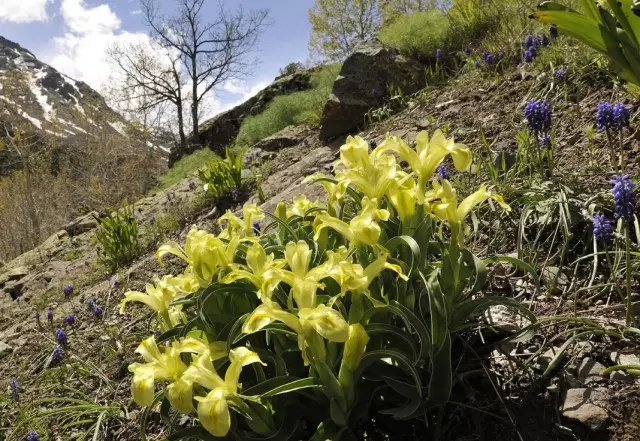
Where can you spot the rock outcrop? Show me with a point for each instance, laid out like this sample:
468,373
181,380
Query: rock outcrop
363,84
221,130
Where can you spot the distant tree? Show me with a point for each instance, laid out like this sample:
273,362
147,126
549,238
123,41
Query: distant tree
393,8
291,68
337,26
208,53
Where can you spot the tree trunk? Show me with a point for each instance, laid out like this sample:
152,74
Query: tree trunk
183,137
194,99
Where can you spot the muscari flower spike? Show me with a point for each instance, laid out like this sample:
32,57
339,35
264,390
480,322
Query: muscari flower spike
545,141
538,114
544,40
442,171
621,116
192,185
529,41
50,315
70,320
32,436
560,74
624,196
529,55
116,282
15,390
500,55
98,311
553,31
602,228
57,356
468,51
68,290
604,116
489,59
438,53
152,220
61,336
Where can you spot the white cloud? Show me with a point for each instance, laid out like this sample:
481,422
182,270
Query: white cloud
83,20
23,11
81,52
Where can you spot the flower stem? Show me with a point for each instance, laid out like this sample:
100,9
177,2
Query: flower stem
628,272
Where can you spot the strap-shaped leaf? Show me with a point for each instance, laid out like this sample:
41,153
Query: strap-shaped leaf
397,242
464,311
372,357
441,379
397,337
518,263
292,386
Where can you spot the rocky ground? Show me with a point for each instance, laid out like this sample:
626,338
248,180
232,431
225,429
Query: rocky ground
528,394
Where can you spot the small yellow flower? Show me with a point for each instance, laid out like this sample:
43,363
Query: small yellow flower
363,229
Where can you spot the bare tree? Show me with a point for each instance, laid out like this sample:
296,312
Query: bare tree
210,52
151,80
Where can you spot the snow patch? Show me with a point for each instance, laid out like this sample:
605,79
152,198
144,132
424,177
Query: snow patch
36,122
36,90
118,127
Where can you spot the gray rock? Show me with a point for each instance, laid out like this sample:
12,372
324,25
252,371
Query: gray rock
586,406
363,85
504,160
287,137
589,371
504,319
550,273
81,224
5,349
621,377
632,358
16,273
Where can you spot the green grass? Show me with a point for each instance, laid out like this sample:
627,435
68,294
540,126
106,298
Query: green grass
297,108
419,34
184,168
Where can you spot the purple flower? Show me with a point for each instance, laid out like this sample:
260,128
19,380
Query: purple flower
545,141
602,228
61,336
560,74
538,114
553,31
442,171
50,315
116,282
373,144
500,55
529,55
477,64
438,53
98,311
621,116
152,220
91,303
192,185
57,356
468,51
15,390
488,58
529,41
70,320
604,116
68,290
32,436
624,196
544,40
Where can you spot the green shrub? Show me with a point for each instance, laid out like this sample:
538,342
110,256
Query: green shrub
117,237
418,34
184,168
297,108
221,176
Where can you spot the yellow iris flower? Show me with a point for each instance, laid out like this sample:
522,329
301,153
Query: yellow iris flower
163,365
260,270
213,409
311,325
244,227
205,253
363,229
429,153
159,296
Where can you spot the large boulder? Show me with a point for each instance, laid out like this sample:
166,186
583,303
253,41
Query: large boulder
363,84
221,130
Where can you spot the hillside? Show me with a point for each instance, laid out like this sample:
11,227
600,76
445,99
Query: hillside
498,301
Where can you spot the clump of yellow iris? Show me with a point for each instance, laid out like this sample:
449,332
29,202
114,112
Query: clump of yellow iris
388,192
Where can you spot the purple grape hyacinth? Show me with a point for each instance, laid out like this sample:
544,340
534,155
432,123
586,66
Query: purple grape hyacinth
545,141
70,320
438,53
61,336
621,116
602,228
489,58
553,31
57,356
468,51
15,390
560,74
538,114
529,55
98,311
500,55
50,315
529,41
68,290
32,436
477,64
604,116
442,171
624,196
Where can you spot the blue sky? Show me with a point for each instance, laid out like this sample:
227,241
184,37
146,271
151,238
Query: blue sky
72,36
